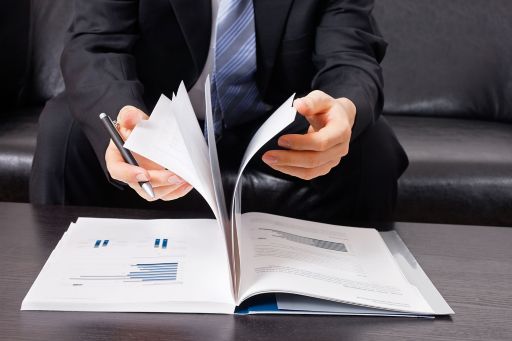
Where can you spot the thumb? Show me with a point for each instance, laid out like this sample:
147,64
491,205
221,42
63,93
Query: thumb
129,116
313,107
316,102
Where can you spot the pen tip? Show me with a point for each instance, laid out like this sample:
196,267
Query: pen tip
148,189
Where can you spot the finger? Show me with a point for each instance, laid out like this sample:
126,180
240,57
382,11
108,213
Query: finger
165,191
306,173
178,193
122,171
162,178
316,102
321,140
305,159
128,118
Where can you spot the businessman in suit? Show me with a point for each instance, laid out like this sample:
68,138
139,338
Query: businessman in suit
340,157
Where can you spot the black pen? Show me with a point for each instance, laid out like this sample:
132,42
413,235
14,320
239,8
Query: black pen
127,156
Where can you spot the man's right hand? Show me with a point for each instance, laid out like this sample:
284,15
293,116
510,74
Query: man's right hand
166,185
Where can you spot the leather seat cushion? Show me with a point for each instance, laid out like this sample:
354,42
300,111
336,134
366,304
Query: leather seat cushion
18,133
460,170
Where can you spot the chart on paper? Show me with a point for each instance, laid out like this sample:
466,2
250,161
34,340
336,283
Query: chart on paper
134,265
142,273
101,261
319,243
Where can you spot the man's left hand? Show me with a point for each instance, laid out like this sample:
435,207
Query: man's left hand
324,145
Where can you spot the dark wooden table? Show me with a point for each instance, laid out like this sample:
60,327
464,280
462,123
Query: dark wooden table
470,265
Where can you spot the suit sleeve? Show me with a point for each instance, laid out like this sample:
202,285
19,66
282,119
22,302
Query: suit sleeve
98,66
348,51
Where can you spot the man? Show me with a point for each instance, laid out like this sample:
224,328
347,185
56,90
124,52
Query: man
340,160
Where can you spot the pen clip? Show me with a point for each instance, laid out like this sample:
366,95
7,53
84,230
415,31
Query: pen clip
114,123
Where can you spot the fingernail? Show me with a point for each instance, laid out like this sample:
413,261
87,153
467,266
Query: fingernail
270,159
302,102
174,180
141,177
284,143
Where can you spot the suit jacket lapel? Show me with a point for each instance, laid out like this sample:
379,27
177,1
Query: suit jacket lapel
195,20
270,19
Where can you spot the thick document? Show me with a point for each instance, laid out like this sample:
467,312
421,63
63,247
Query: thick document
249,263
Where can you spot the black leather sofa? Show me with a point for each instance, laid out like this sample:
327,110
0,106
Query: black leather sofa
448,92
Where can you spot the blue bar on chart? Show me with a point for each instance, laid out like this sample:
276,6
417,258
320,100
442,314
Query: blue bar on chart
164,244
148,272
157,243
105,243
97,244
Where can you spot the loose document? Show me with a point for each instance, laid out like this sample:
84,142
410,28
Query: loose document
249,263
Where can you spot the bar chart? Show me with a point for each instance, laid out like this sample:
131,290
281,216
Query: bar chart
319,243
154,272
141,272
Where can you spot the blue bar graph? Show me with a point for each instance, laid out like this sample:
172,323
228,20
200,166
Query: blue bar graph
97,244
142,272
105,242
155,271
164,244
157,243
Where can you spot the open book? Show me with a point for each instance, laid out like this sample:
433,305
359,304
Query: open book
234,262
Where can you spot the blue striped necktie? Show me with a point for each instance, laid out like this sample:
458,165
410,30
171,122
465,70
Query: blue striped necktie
236,98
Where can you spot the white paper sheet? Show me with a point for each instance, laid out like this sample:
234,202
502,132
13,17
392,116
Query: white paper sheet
217,181
116,265
344,264
172,138
279,120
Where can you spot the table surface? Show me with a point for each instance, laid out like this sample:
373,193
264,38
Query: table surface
470,265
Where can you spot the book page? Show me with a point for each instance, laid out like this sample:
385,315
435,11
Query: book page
279,120
172,138
136,266
343,264
217,181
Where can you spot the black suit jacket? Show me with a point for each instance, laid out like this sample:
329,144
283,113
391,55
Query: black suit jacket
128,52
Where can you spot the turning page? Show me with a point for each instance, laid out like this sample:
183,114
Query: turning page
217,181
172,138
279,120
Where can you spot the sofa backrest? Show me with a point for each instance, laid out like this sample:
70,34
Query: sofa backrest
448,57
14,42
